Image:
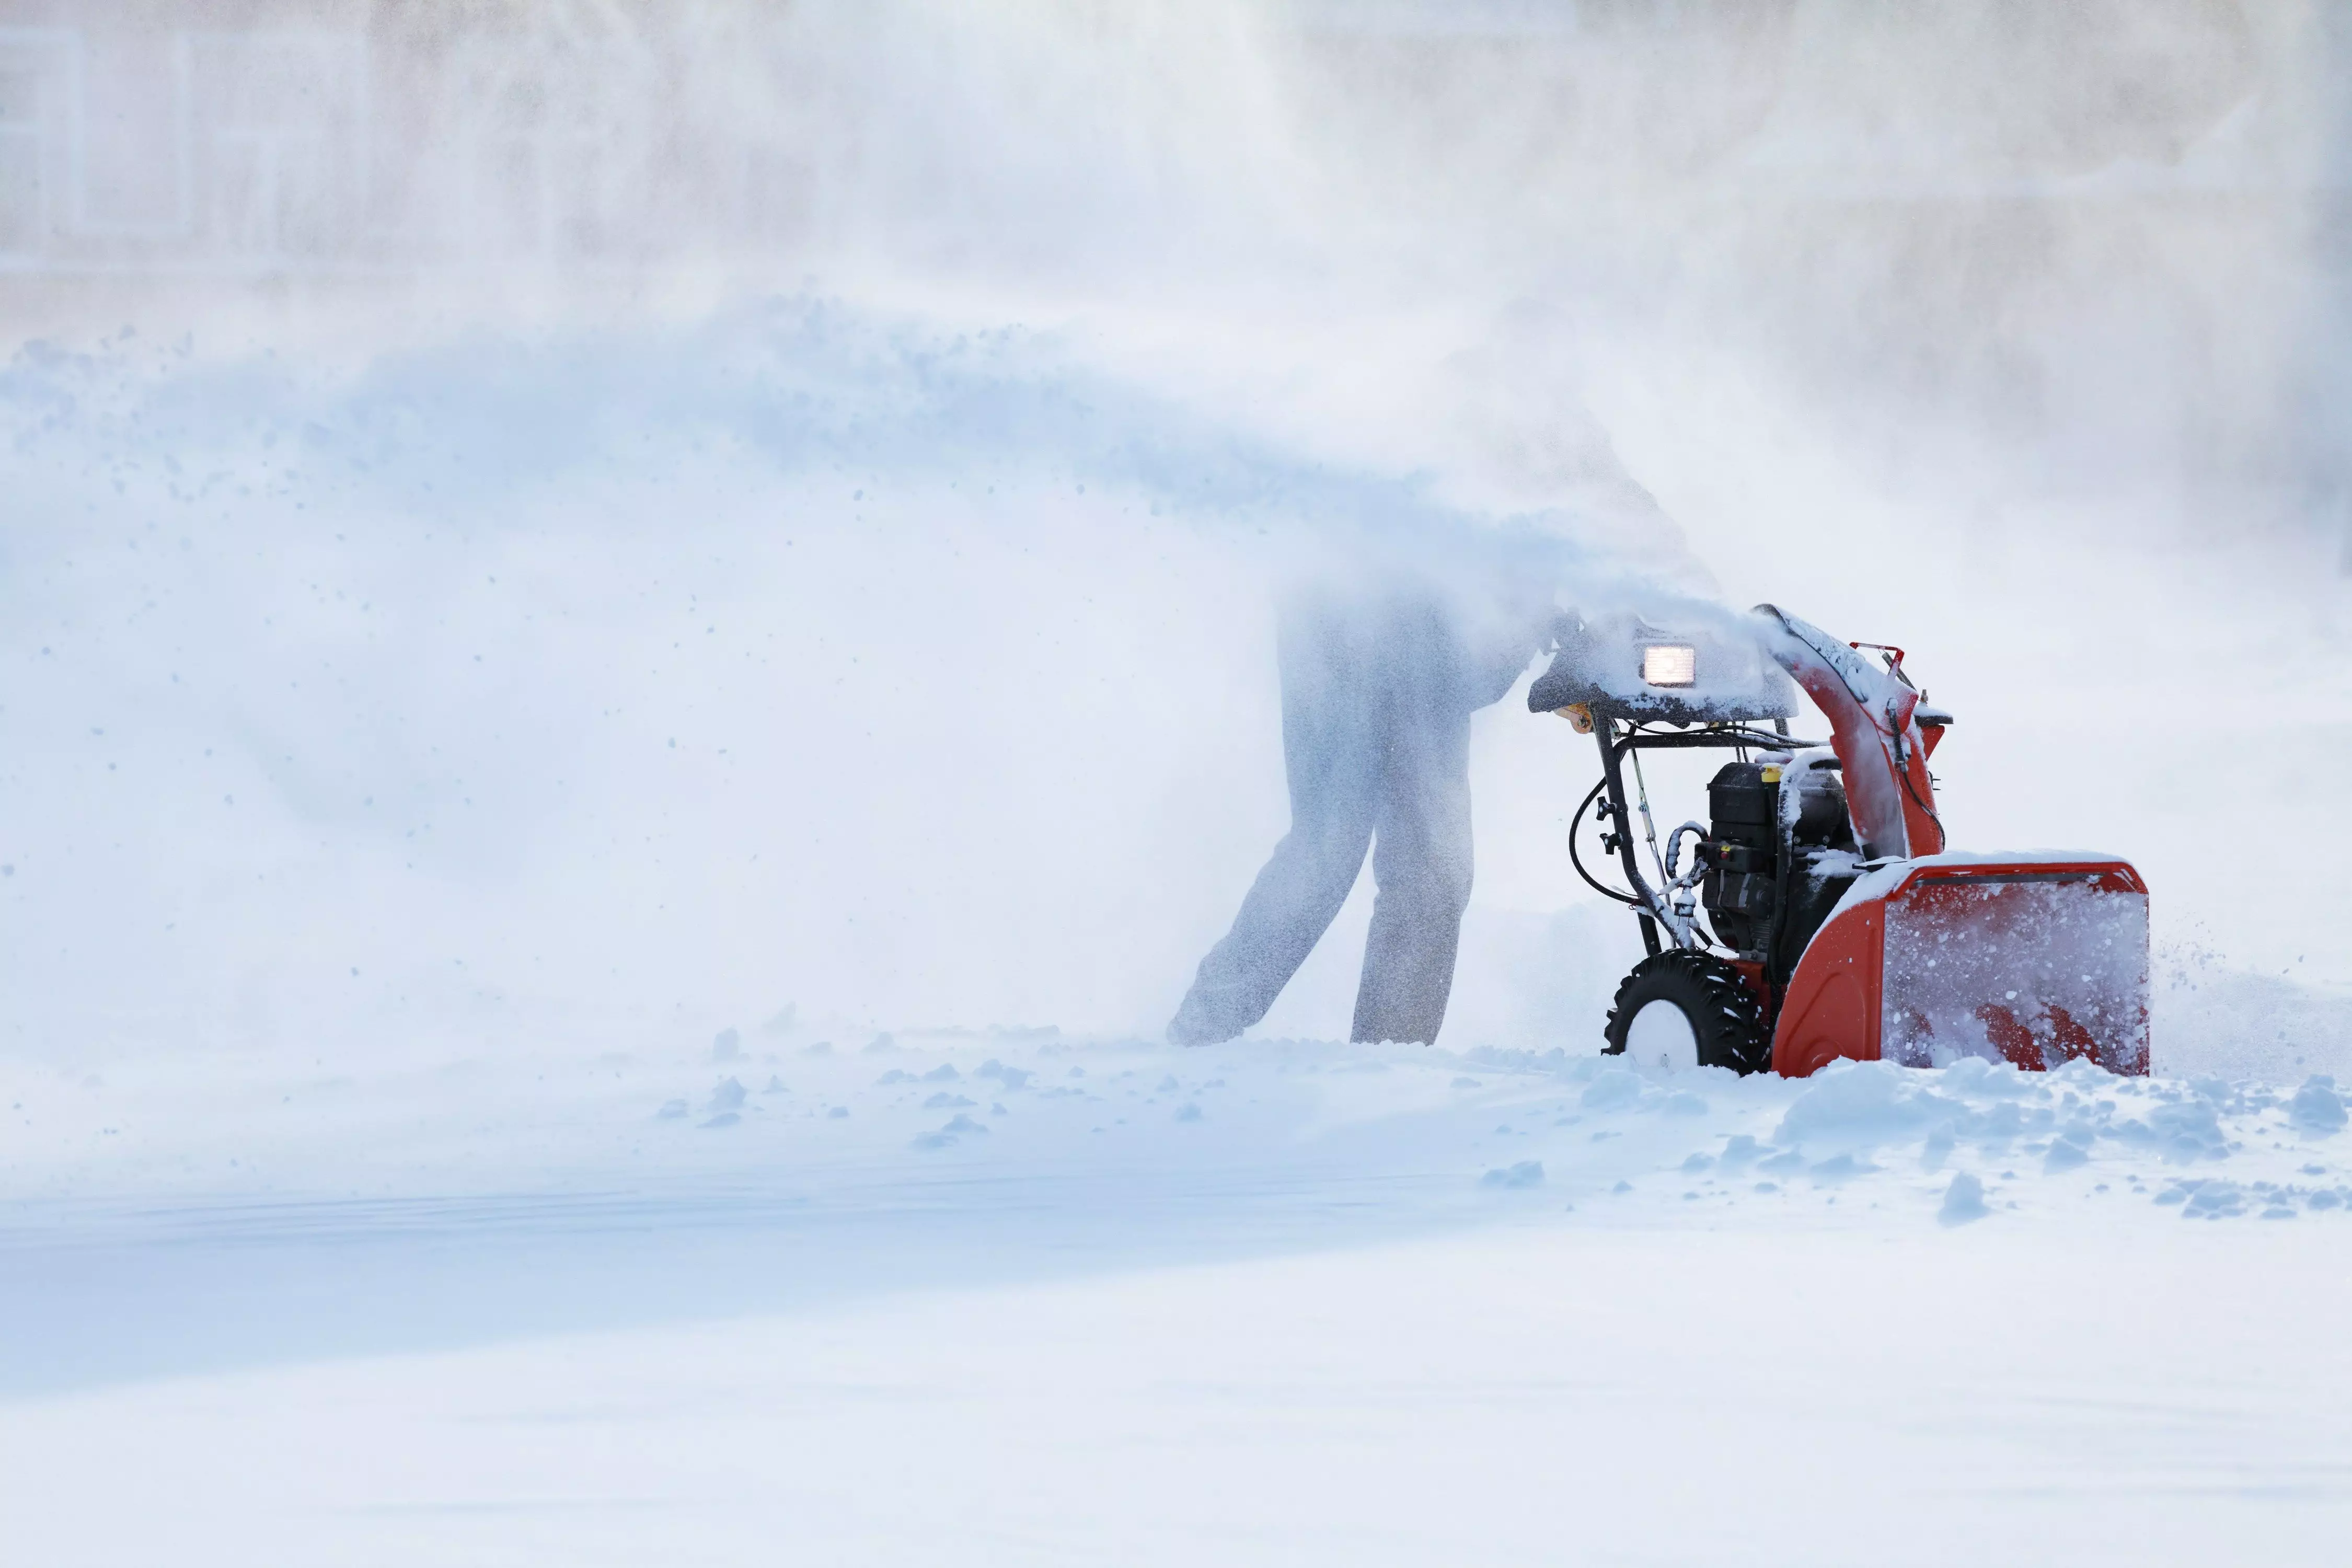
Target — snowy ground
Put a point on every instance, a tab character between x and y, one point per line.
409	769
1016	1297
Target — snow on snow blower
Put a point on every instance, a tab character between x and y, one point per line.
1838	922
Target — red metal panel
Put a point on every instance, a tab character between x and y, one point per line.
1832	1004
1978	914
2039	962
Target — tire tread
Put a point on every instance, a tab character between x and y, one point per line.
1725	1014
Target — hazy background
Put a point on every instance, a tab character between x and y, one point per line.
611	521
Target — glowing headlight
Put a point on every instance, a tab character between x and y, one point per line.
1670	664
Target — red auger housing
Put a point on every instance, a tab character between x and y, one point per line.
1837	923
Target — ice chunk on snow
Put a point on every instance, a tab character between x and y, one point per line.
727	1046
672	1108
727	1096
943	1100
1526	1174
1188	1112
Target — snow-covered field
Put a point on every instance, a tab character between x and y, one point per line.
1014	1298
593	860
414	834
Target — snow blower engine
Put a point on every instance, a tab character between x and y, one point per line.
1837	921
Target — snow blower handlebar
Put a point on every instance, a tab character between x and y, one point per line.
1669	905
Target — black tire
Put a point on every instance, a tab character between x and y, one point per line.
1724	1015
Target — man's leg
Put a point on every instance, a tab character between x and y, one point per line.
1423	864
1330	744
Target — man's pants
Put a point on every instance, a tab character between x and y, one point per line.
1377	693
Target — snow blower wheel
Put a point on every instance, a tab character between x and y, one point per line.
1685	1009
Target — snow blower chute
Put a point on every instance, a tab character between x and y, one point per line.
1838	922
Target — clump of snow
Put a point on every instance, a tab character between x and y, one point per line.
1862	1103
1613	1089
1837	1169
2316	1108
2068	1150
1963	1201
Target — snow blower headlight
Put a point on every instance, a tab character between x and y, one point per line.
1670	664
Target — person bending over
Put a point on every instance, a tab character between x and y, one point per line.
1379	680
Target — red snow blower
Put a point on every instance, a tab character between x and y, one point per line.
1838	922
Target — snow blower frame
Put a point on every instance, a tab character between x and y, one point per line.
1837	921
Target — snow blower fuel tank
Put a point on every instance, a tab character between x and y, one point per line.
1837	921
